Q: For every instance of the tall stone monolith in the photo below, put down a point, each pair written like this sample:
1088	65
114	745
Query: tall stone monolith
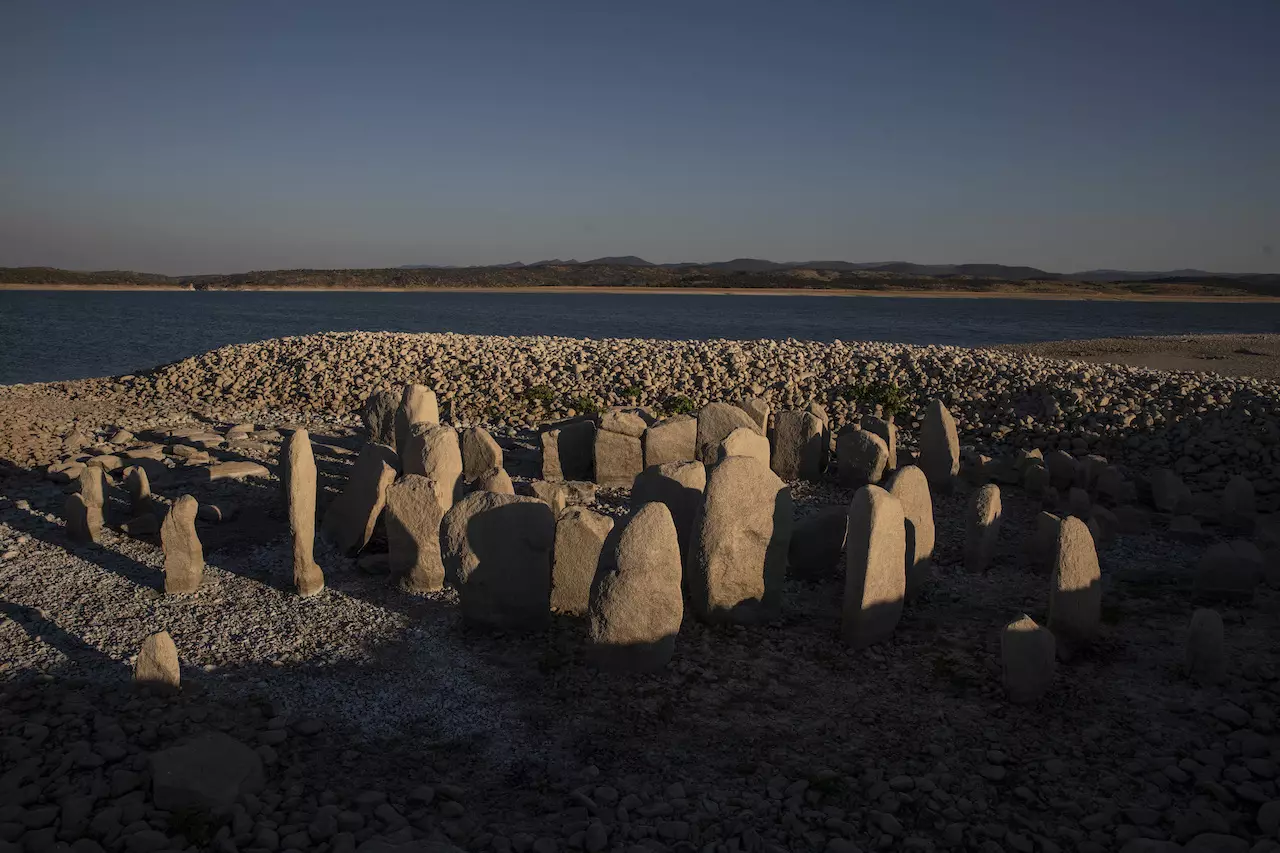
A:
909	485
1028	660
413	534
982	528
298	473
349	521
939	446
1075	595
157	666
183	555
417	406
875	567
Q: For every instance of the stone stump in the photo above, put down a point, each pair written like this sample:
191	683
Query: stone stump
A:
672	440
982	528
157	666
480	453
939	446
350	519
84	522
417	406
379	416
797	445
861	457
432	451
744	441
1205	661
1028	660
568	451
1075	595
138	485
298	474
618	458
715	422
580	538
909	485
413	534
496	481
678	485
183	555
875	567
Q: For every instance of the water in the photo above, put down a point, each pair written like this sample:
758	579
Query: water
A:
47	335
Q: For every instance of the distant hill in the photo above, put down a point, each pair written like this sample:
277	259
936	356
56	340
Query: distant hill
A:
624	261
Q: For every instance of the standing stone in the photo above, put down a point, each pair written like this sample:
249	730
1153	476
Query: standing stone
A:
298	473
939	446
496	481
637	604
738	556
93	486
580	537
1075	596
413	534
618	458
758	410
568	451
139	488
1062	469
1239	506
432	451
480	453
982	528
818	411
1230	571
497	550
84	522
350	519
678	485
797	445
1166	489
1078	503
1112	487
1044	539
1028	658
157	666
1205	661
744	441
861	457
1035	479
672	440
379	416
417	406
817	543
627	421
715	422
910	487
887	430
875	567
183	556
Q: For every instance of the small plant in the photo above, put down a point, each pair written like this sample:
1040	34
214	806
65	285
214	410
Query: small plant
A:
539	394
678	405
887	395
632	392
584	405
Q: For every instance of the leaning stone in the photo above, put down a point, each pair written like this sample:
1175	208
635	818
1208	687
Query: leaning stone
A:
715	422
618	458
417	406
1205	661
887	431
909	486
678	485
1028	658
139	488
744	441
1075	596
672	440
379	416
497	481
939	446
497	550
982	528
632	422
183	555
208	774
817	543
738	555
568	451
157	665
413	534
580	536
561	494
432	451
348	523
797	445
758	410
1239	507
861	457
298	474
236	471
84	522
1229	571
875	567
480	453
1062	470
636	603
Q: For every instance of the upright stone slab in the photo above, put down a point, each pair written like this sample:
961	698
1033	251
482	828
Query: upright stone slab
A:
875	567
1044	540
432	451
625	420
679	486
939	446
672	440
819	411
183	555
496	481
909	485
982	528
861	457
744	441
1028	660
618	458
738	556
497	550
1205	661
1035	479
1075	595
715	422
797	445
1239	506
1062	469
580	537
817	543
350	519
887	430
84	522
758	410
480	453
298	473
379	416
413	534
93	486
417	406
157	665
138	485
1230	571
637	604
568	451
1166	489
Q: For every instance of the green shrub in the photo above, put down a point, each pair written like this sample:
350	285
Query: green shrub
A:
887	395
539	394
678	405
584	405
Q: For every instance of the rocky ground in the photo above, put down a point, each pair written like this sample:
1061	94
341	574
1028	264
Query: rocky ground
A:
1231	355
379	715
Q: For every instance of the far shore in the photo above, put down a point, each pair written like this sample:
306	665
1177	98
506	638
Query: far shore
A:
702	291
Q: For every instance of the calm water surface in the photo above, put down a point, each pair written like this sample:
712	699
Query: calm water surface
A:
48	335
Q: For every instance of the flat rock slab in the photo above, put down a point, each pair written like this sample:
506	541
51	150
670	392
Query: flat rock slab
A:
236	471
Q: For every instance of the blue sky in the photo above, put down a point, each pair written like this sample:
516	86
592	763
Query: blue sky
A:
217	137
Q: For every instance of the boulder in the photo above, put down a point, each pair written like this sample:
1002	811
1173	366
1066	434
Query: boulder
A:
861	457
1024	459
432	451
636	602
1028	660
1229	571
208	773
982	528
183	555
672	440
887	431
798	445
939	446
496	481
626	421
1112	487
1166	489
875	567
1035	479
298	475
157	664
758	410
480	453
84	522
1078	503
618	458
379	416
1239	506
715	422
738	553
1062	470
568	451
413	534
744	441
909	485
92	483
580	537
497	551
1075	595
1104	525
817	542
417	406
560	494
678	485
818	411
1205	661
349	521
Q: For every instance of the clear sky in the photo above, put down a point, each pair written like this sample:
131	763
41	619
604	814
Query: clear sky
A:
223	136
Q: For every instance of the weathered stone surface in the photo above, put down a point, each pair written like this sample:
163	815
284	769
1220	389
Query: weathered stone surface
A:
982	528
887	431
497	481
1044	540
1239	505
744	441
157	664
568	451
909	485
678	485
236	471
1104	525
819	411
672	440
413	534
618	458
1205	660
939	446
1229	571
417	406
497	551
861	457
817	542
84	522
580	536
797	445
1062	469
560	494
627	421
298	475
93	486
379	416
433	452
758	410
875	567
480	453
1028	660
207	773
1035	479
138	485
1075	595
636	603
738	555
715	422
1112	487
1166	489
350	519
183	555
1078	503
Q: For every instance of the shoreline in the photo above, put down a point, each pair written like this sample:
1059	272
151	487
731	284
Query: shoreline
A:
692	291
